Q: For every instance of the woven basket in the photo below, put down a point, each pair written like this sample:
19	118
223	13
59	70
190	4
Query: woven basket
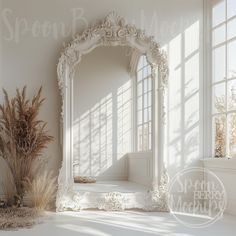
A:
84	179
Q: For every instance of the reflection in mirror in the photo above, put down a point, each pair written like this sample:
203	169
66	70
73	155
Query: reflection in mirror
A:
144	105
102	109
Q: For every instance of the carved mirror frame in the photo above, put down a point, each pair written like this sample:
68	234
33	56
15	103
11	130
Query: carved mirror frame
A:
112	31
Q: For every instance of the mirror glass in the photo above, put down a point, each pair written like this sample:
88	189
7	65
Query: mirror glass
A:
102	114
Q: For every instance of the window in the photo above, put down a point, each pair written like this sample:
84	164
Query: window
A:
223	34
144	105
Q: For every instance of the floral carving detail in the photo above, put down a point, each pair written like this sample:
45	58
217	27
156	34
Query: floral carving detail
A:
67	198
112	201
153	200
157	199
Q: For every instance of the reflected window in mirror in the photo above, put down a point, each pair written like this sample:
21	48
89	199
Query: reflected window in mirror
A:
144	93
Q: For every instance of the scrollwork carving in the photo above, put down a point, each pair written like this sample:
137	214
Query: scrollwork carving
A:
113	201
153	200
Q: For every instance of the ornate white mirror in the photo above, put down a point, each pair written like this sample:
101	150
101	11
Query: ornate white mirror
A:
112	79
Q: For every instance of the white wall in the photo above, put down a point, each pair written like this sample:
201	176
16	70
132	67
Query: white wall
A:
102	113
32	37
225	170
140	168
185	97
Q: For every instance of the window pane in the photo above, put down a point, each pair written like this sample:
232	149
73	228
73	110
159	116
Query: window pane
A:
149	70
145	115
145	85
218	35
219	98
150	141
140	87
232	134
145	101
149	98
218	12
149	84
150	127
231	30
232	95
139	137
232	59
219	124
146	71
140	103
218	64
145	62
191	38
140	117
149	114
140	76
145	137
231	8
141	62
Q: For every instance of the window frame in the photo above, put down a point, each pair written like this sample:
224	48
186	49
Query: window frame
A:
209	83
136	110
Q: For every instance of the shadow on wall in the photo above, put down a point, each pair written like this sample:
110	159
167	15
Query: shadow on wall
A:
102	126
183	119
95	153
183	124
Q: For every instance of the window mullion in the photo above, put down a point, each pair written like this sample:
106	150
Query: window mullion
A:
209	107
142	112
226	85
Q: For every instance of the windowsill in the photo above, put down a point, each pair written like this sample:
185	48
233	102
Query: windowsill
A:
146	154
220	163
140	152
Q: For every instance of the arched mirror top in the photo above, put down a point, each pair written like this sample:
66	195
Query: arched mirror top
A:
111	31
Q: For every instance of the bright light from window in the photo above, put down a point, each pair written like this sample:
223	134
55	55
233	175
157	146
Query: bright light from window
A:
144	105
224	77
218	12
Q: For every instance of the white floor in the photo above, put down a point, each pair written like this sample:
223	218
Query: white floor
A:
110	186
100	223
